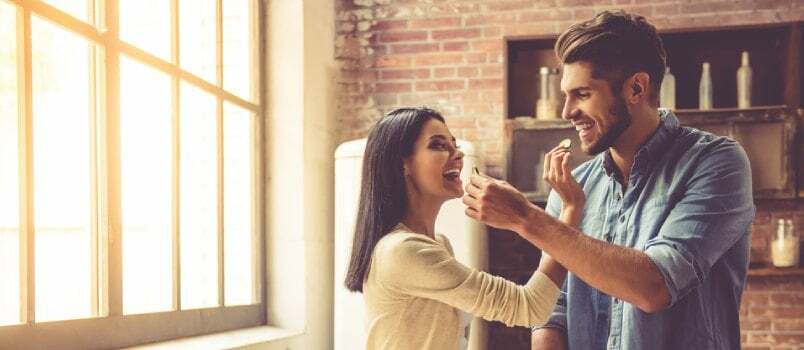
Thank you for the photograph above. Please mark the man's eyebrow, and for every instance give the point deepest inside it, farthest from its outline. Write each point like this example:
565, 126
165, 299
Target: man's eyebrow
579, 89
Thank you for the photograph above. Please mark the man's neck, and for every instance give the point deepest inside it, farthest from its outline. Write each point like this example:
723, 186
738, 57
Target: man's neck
624, 151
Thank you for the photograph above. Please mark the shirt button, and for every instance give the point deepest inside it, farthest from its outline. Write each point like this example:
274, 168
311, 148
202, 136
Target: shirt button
622, 218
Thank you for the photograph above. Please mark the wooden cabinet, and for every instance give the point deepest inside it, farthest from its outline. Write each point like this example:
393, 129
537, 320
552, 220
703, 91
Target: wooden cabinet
769, 132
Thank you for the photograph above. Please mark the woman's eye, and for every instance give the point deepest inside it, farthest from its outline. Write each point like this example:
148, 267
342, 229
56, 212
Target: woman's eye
439, 146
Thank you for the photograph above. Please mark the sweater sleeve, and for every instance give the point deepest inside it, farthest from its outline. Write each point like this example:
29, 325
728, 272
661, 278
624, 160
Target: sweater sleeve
416, 265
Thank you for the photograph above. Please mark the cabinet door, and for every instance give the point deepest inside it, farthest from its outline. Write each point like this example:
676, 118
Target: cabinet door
528, 148
770, 149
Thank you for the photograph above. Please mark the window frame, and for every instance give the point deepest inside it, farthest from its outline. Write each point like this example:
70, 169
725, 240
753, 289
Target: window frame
109, 327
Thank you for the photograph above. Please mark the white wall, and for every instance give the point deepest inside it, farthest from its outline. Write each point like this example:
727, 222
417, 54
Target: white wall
299, 134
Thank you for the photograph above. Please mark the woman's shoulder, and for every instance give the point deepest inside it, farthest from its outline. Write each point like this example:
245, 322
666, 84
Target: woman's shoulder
402, 244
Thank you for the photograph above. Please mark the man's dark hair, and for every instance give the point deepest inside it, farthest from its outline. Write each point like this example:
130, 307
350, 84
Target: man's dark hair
617, 45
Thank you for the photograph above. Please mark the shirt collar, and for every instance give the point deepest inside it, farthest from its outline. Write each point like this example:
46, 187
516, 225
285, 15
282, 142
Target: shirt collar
651, 150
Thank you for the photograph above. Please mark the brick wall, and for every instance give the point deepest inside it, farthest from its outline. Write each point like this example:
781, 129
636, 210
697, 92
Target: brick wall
448, 55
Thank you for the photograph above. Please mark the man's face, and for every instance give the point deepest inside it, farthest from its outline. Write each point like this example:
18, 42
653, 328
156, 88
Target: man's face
599, 115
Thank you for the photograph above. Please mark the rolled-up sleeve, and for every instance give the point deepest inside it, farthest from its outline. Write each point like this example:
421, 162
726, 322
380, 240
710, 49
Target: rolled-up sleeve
715, 212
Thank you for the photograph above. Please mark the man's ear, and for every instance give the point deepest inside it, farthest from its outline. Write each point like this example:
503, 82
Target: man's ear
637, 87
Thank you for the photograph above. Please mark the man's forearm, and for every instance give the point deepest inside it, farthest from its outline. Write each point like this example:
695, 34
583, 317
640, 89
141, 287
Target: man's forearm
620, 272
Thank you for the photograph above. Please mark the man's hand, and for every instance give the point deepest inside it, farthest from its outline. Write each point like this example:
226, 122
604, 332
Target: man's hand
496, 203
548, 339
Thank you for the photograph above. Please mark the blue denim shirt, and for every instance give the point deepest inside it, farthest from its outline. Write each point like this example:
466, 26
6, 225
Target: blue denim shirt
689, 207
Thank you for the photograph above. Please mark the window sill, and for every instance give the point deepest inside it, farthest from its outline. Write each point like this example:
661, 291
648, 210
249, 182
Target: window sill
261, 337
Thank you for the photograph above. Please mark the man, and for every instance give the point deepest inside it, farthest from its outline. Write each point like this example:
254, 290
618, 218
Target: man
660, 257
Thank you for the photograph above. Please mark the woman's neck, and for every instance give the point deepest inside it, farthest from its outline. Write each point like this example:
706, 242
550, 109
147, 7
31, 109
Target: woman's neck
421, 216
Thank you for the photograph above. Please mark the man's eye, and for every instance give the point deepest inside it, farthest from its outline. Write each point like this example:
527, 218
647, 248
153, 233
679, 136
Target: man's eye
583, 96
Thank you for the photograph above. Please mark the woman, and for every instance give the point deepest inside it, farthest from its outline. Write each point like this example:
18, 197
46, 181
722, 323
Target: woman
413, 287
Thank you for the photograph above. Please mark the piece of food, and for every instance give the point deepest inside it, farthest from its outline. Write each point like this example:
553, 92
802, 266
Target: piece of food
565, 143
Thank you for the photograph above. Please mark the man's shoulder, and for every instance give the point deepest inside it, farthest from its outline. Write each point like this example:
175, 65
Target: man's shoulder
693, 145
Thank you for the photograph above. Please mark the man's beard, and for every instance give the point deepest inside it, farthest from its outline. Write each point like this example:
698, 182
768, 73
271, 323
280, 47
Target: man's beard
621, 122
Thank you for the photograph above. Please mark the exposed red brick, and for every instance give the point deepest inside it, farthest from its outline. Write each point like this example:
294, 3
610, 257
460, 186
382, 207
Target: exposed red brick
545, 15
705, 7
393, 61
435, 22
440, 85
530, 29
492, 32
387, 37
392, 87
777, 311
467, 72
439, 59
789, 324
394, 24
488, 19
796, 298
456, 46
487, 45
572, 3
479, 57
444, 72
665, 10
414, 48
451, 34
485, 83
755, 324
509, 5
405, 74
491, 71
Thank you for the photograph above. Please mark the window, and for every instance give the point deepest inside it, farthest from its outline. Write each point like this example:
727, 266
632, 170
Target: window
129, 149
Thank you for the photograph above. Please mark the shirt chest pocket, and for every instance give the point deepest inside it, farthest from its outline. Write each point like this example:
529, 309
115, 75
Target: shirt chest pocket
648, 219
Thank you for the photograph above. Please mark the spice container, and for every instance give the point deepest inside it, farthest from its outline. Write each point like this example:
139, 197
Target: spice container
784, 245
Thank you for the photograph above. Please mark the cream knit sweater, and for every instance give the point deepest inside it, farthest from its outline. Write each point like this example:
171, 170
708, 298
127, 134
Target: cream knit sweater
415, 290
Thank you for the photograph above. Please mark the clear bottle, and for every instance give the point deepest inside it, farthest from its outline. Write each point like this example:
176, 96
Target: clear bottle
744, 76
555, 95
667, 92
705, 88
785, 245
544, 108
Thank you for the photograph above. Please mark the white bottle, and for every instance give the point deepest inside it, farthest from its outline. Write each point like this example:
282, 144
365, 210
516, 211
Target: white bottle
744, 75
705, 89
667, 92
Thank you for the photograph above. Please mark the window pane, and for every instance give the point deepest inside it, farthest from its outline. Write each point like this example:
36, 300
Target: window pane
199, 198
62, 181
9, 177
238, 195
237, 47
146, 24
146, 168
197, 37
76, 8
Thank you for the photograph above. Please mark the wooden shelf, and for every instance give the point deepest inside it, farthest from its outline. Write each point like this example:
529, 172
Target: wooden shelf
776, 271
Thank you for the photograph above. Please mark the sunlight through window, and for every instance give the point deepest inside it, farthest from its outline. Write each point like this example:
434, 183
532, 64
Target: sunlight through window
62, 169
9, 177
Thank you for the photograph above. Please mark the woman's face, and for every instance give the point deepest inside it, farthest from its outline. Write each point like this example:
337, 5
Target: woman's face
434, 168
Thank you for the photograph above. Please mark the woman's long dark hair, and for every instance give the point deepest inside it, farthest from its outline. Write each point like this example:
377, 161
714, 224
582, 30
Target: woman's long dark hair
383, 199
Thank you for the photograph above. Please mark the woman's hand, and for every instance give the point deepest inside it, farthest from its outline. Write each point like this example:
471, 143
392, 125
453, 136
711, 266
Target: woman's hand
558, 174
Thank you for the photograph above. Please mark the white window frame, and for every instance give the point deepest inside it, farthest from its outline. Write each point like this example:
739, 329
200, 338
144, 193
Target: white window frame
109, 327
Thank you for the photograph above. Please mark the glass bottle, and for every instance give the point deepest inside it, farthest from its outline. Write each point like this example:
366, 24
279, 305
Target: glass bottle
705, 89
784, 246
544, 108
555, 92
744, 76
667, 92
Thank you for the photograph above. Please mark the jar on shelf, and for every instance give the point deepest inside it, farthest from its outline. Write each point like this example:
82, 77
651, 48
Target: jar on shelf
785, 245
